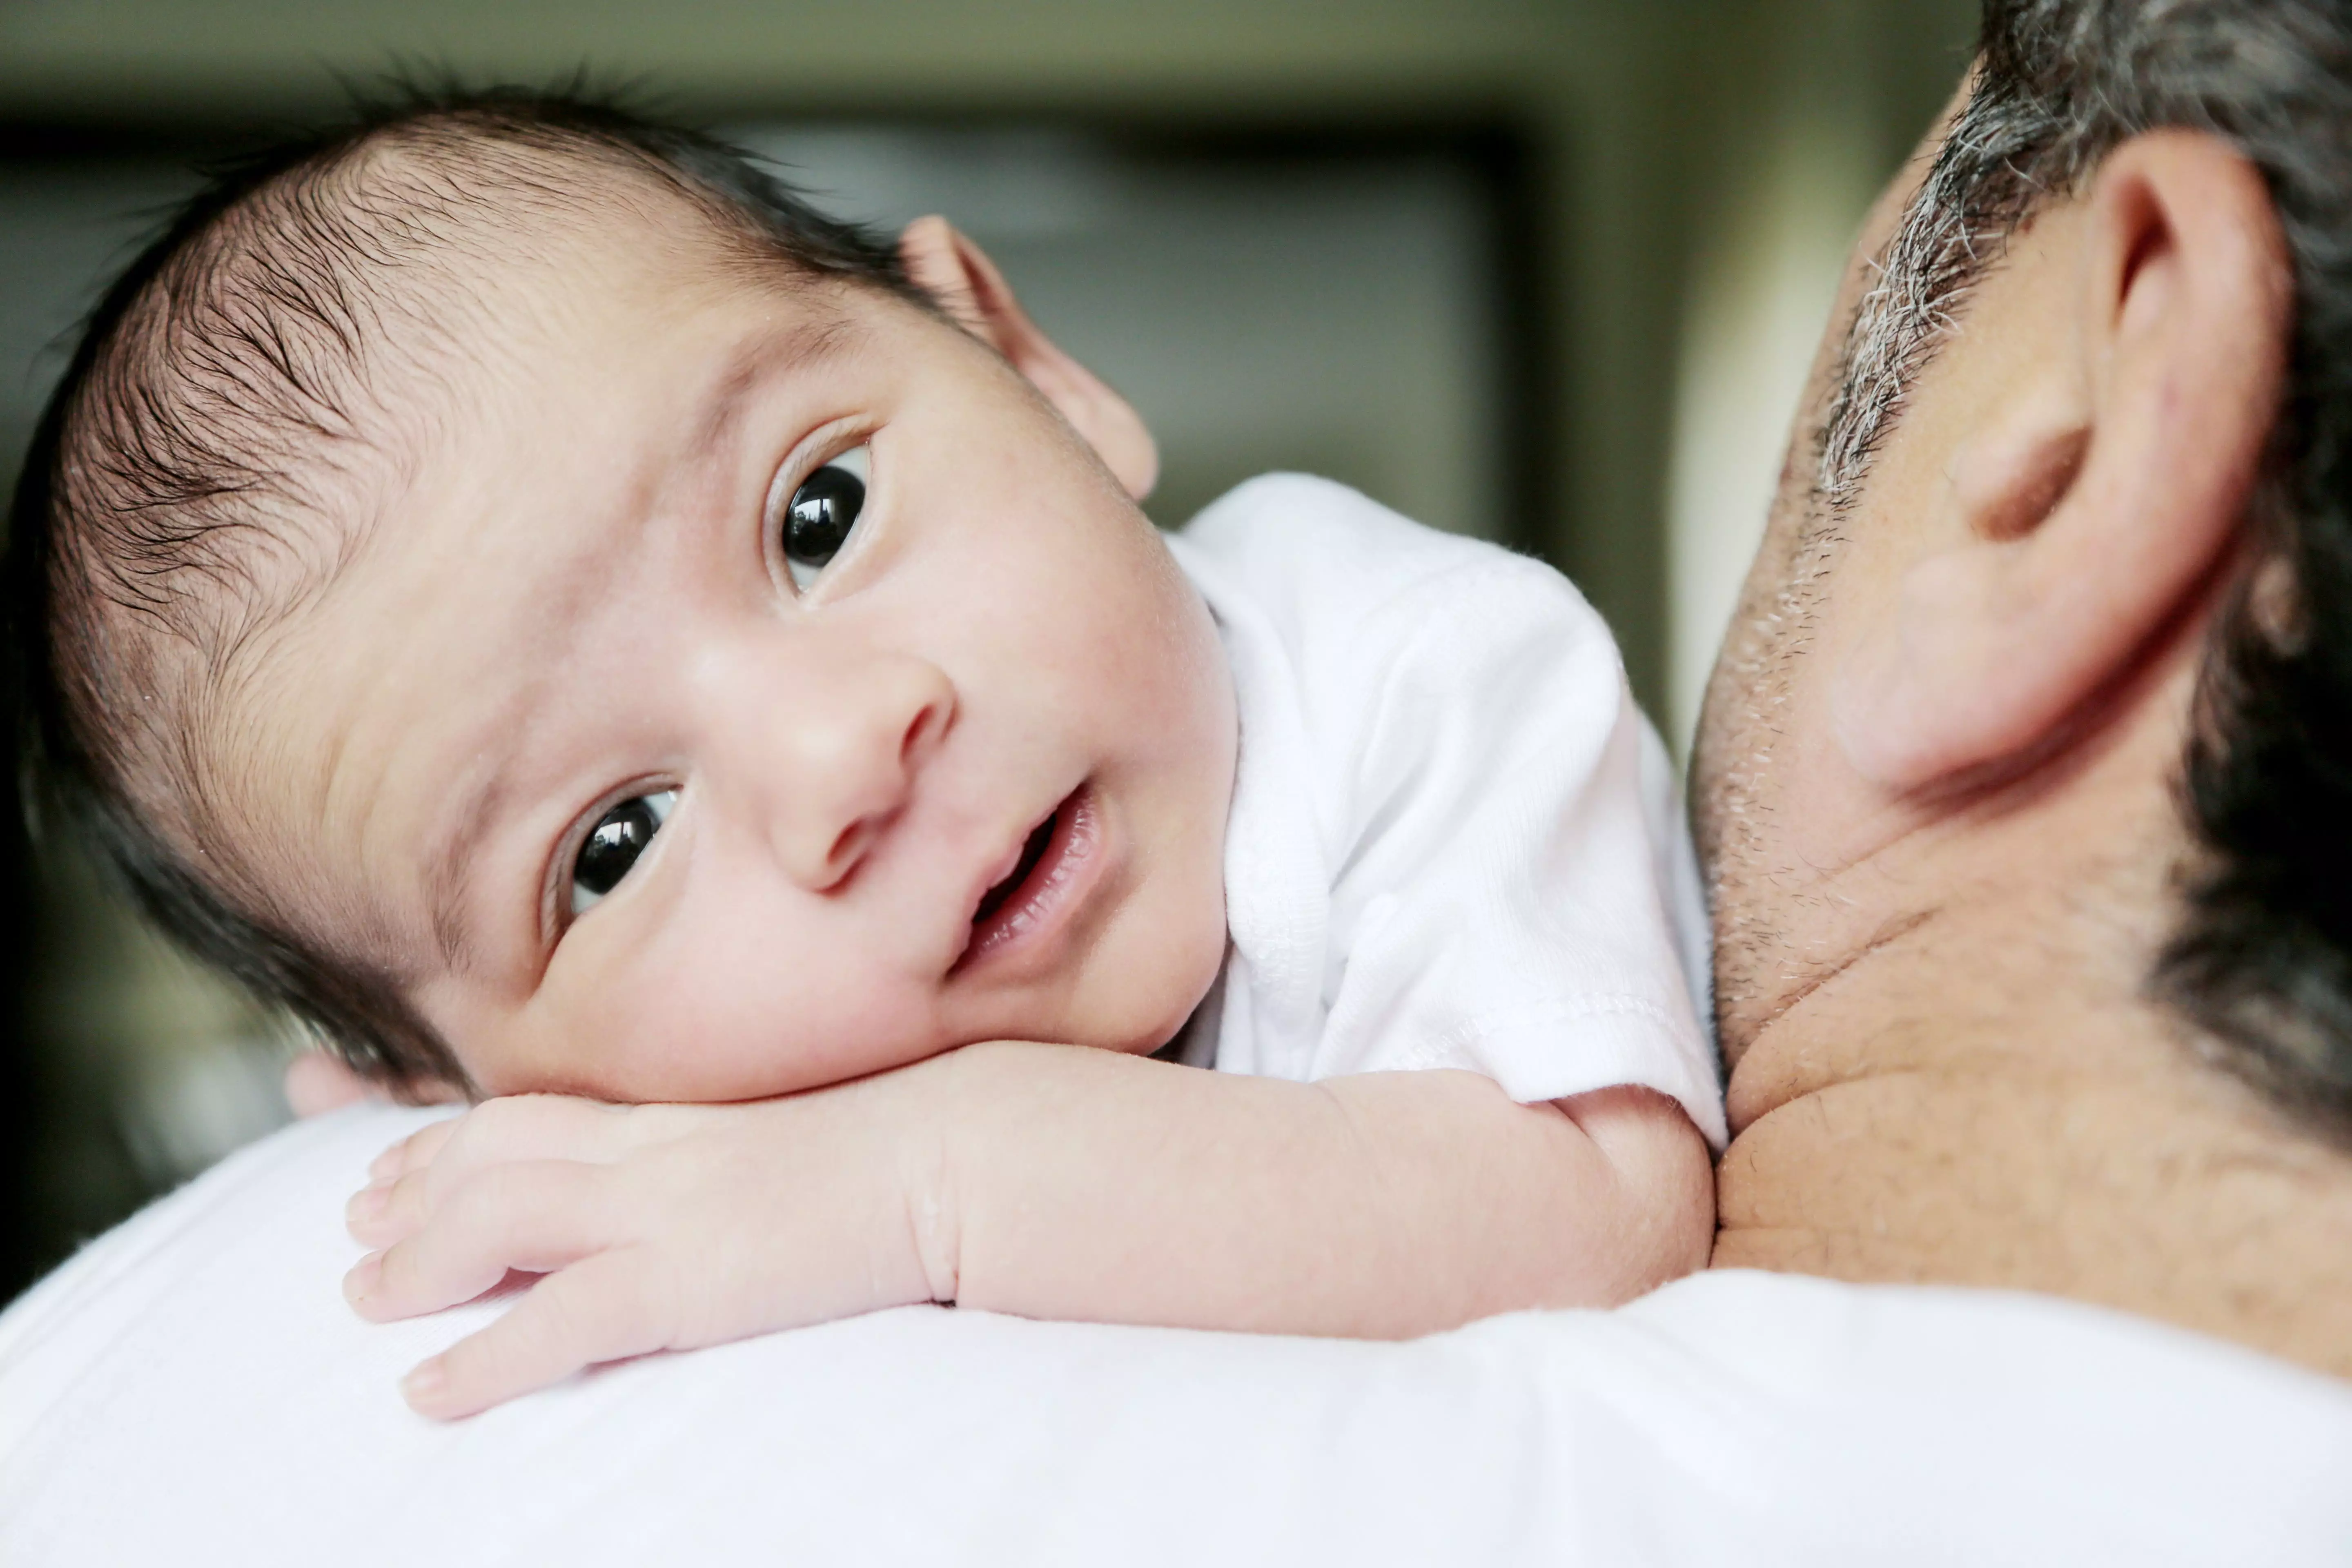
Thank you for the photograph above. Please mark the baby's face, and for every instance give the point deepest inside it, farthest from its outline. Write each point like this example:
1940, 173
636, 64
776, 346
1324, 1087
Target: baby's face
752, 686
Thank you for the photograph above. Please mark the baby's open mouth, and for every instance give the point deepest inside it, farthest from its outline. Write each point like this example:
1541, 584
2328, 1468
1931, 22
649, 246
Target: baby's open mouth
1057, 865
1031, 852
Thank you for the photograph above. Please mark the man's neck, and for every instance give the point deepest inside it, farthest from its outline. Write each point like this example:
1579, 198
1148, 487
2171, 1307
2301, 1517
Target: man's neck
2037, 1128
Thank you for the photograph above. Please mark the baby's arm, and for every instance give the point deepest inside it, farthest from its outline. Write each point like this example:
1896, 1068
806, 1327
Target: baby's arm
1382, 1206
1049, 1181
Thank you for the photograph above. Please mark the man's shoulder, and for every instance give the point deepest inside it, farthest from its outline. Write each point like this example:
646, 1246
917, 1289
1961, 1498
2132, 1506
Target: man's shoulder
196, 1378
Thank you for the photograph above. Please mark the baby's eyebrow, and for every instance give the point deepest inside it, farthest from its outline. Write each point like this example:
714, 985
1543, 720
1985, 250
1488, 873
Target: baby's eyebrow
807, 344
445, 879
484, 796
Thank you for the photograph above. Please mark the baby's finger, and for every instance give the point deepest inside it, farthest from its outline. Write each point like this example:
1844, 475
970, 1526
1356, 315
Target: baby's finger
529, 1127
601, 1308
415, 1152
533, 1216
383, 1213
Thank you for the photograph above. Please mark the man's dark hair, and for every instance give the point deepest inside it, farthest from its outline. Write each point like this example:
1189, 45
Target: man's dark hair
216, 380
2259, 960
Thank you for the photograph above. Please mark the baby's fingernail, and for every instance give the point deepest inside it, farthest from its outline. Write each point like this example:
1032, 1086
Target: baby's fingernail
368, 1203
387, 1163
362, 1279
426, 1384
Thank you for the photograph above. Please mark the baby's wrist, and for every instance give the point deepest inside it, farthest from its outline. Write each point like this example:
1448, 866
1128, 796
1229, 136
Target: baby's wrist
919, 1111
950, 1119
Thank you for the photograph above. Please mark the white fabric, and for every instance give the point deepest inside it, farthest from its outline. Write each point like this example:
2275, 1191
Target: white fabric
192, 1389
1441, 852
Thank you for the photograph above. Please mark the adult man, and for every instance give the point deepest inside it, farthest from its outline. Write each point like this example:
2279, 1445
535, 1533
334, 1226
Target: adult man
2073, 452
2067, 504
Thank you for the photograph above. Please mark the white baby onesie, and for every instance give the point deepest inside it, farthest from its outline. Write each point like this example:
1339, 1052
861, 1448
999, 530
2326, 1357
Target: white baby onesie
1455, 841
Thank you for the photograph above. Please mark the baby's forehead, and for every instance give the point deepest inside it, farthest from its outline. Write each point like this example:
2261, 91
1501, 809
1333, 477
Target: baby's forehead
413, 369
472, 281
524, 509
457, 344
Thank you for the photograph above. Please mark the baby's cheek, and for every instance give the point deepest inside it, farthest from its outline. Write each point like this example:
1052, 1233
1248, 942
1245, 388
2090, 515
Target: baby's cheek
745, 1033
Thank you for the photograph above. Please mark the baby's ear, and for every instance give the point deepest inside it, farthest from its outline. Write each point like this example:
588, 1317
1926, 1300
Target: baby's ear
954, 272
317, 1082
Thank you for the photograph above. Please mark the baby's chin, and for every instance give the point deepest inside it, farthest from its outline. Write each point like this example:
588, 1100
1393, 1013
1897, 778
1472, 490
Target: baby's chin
1132, 1024
1135, 1022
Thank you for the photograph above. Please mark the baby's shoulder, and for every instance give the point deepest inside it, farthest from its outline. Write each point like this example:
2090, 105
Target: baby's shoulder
1318, 557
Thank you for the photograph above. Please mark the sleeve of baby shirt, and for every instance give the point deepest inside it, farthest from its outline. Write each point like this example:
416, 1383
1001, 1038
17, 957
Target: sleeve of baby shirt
1495, 901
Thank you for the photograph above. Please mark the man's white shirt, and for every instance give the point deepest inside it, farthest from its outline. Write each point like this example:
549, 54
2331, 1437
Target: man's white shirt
193, 1389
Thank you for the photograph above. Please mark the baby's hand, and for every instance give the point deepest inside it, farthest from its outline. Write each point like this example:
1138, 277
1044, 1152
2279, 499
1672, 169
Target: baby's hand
657, 1226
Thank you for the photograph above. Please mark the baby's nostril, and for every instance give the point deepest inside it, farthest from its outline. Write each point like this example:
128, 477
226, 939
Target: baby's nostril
847, 848
928, 725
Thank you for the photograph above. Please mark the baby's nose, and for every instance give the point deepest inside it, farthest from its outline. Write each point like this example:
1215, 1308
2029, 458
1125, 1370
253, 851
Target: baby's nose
850, 741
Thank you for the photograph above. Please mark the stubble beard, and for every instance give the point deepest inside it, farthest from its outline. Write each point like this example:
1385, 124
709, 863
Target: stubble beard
1747, 719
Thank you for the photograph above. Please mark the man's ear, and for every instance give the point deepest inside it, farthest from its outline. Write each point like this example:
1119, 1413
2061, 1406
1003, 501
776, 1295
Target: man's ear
952, 271
2097, 507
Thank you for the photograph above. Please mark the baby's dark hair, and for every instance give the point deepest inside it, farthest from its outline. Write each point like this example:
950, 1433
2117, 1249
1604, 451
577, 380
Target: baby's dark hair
190, 455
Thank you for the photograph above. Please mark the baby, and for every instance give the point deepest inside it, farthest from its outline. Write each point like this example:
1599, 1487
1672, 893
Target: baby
511, 583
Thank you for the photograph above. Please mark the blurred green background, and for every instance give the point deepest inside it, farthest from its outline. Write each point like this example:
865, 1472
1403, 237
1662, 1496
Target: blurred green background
1544, 271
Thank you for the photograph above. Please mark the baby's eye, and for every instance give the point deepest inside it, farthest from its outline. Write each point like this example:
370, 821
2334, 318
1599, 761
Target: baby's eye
620, 836
817, 520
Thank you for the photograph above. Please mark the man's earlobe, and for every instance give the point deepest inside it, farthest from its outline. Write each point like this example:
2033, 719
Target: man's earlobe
964, 283
2099, 508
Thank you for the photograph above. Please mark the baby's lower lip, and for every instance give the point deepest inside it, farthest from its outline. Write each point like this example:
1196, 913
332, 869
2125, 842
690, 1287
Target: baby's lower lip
1038, 903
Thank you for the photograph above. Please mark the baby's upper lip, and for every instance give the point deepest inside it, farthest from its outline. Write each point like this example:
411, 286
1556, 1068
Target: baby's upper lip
1002, 867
